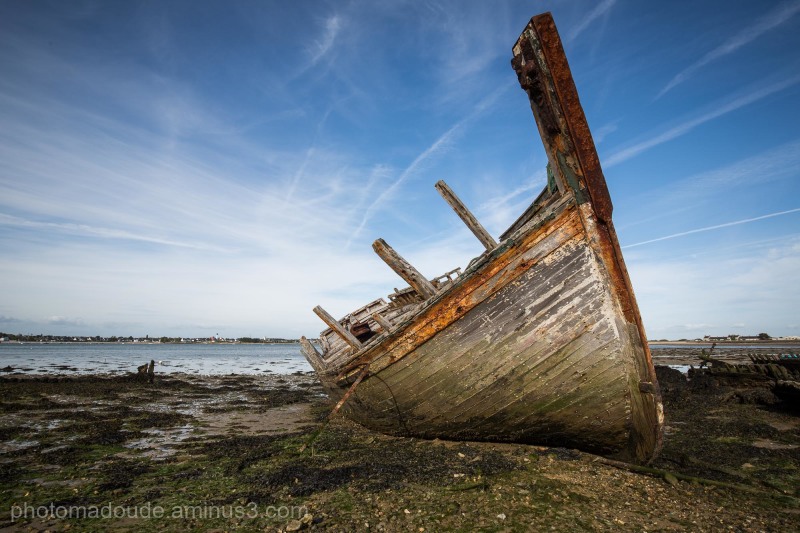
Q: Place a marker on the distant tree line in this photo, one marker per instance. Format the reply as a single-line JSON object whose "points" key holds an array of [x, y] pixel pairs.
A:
{"points": [[19, 337]]}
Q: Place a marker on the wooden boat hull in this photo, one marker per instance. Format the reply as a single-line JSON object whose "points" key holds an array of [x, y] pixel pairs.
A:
{"points": [[538, 341]]}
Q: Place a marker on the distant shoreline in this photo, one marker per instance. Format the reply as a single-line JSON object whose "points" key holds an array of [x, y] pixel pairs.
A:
{"points": [[724, 343], [148, 342]]}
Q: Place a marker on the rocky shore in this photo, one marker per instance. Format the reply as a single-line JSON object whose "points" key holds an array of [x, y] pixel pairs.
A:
{"points": [[216, 453]]}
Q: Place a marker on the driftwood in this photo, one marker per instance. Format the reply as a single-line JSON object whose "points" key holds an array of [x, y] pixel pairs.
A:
{"points": [[673, 477], [779, 373]]}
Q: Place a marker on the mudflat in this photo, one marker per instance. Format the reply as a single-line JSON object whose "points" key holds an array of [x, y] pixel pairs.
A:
{"points": [[215, 453]]}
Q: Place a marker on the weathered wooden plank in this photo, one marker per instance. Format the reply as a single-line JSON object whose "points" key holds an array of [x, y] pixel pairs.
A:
{"points": [[520, 304], [384, 323], [308, 348], [336, 327], [500, 270], [312, 355], [522, 347], [404, 269], [464, 214]]}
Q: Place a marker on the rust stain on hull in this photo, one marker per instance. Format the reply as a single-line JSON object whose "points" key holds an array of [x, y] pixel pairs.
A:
{"points": [[540, 339]]}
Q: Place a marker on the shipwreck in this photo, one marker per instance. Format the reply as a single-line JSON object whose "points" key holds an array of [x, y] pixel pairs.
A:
{"points": [[539, 339]]}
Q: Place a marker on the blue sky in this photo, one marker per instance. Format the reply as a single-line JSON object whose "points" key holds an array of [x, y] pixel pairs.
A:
{"points": [[193, 168]]}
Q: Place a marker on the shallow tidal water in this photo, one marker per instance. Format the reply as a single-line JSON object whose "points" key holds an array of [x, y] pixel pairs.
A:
{"points": [[119, 358]]}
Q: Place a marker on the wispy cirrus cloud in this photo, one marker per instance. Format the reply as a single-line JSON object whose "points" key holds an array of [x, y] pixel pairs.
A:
{"points": [[439, 145], [714, 227], [774, 18], [768, 166], [688, 125], [104, 233], [333, 26], [599, 10]]}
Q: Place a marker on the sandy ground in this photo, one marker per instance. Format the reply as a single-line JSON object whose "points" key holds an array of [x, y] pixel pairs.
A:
{"points": [[227, 452]]}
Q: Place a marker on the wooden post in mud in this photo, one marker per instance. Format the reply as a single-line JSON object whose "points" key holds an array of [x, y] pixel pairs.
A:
{"points": [[385, 324], [404, 269], [464, 214], [335, 326], [147, 370]]}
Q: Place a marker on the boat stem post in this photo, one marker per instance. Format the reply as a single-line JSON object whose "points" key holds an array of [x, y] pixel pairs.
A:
{"points": [[469, 219], [404, 269], [346, 336], [308, 348], [312, 355]]}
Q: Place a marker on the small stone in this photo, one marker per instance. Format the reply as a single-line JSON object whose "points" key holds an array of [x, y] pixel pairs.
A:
{"points": [[502, 516], [406, 511], [672, 480], [461, 455], [294, 525], [307, 519]]}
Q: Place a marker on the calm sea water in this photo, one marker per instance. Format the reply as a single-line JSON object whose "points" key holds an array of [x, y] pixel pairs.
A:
{"points": [[108, 358]]}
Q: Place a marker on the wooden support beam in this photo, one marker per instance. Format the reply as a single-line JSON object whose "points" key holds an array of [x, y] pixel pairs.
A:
{"points": [[385, 324], [465, 215], [404, 269], [346, 336]]}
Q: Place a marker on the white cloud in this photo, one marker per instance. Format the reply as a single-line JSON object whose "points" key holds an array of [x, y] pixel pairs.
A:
{"points": [[747, 286]]}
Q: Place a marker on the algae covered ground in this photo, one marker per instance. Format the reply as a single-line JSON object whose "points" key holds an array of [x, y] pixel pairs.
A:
{"points": [[227, 453]]}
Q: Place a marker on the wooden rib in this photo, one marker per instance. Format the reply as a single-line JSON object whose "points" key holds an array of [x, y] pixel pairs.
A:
{"points": [[469, 219], [384, 323], [404, 269], [337, 328]]}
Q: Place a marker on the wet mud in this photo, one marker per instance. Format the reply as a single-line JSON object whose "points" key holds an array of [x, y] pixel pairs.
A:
{"points": [[238, 451]]}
